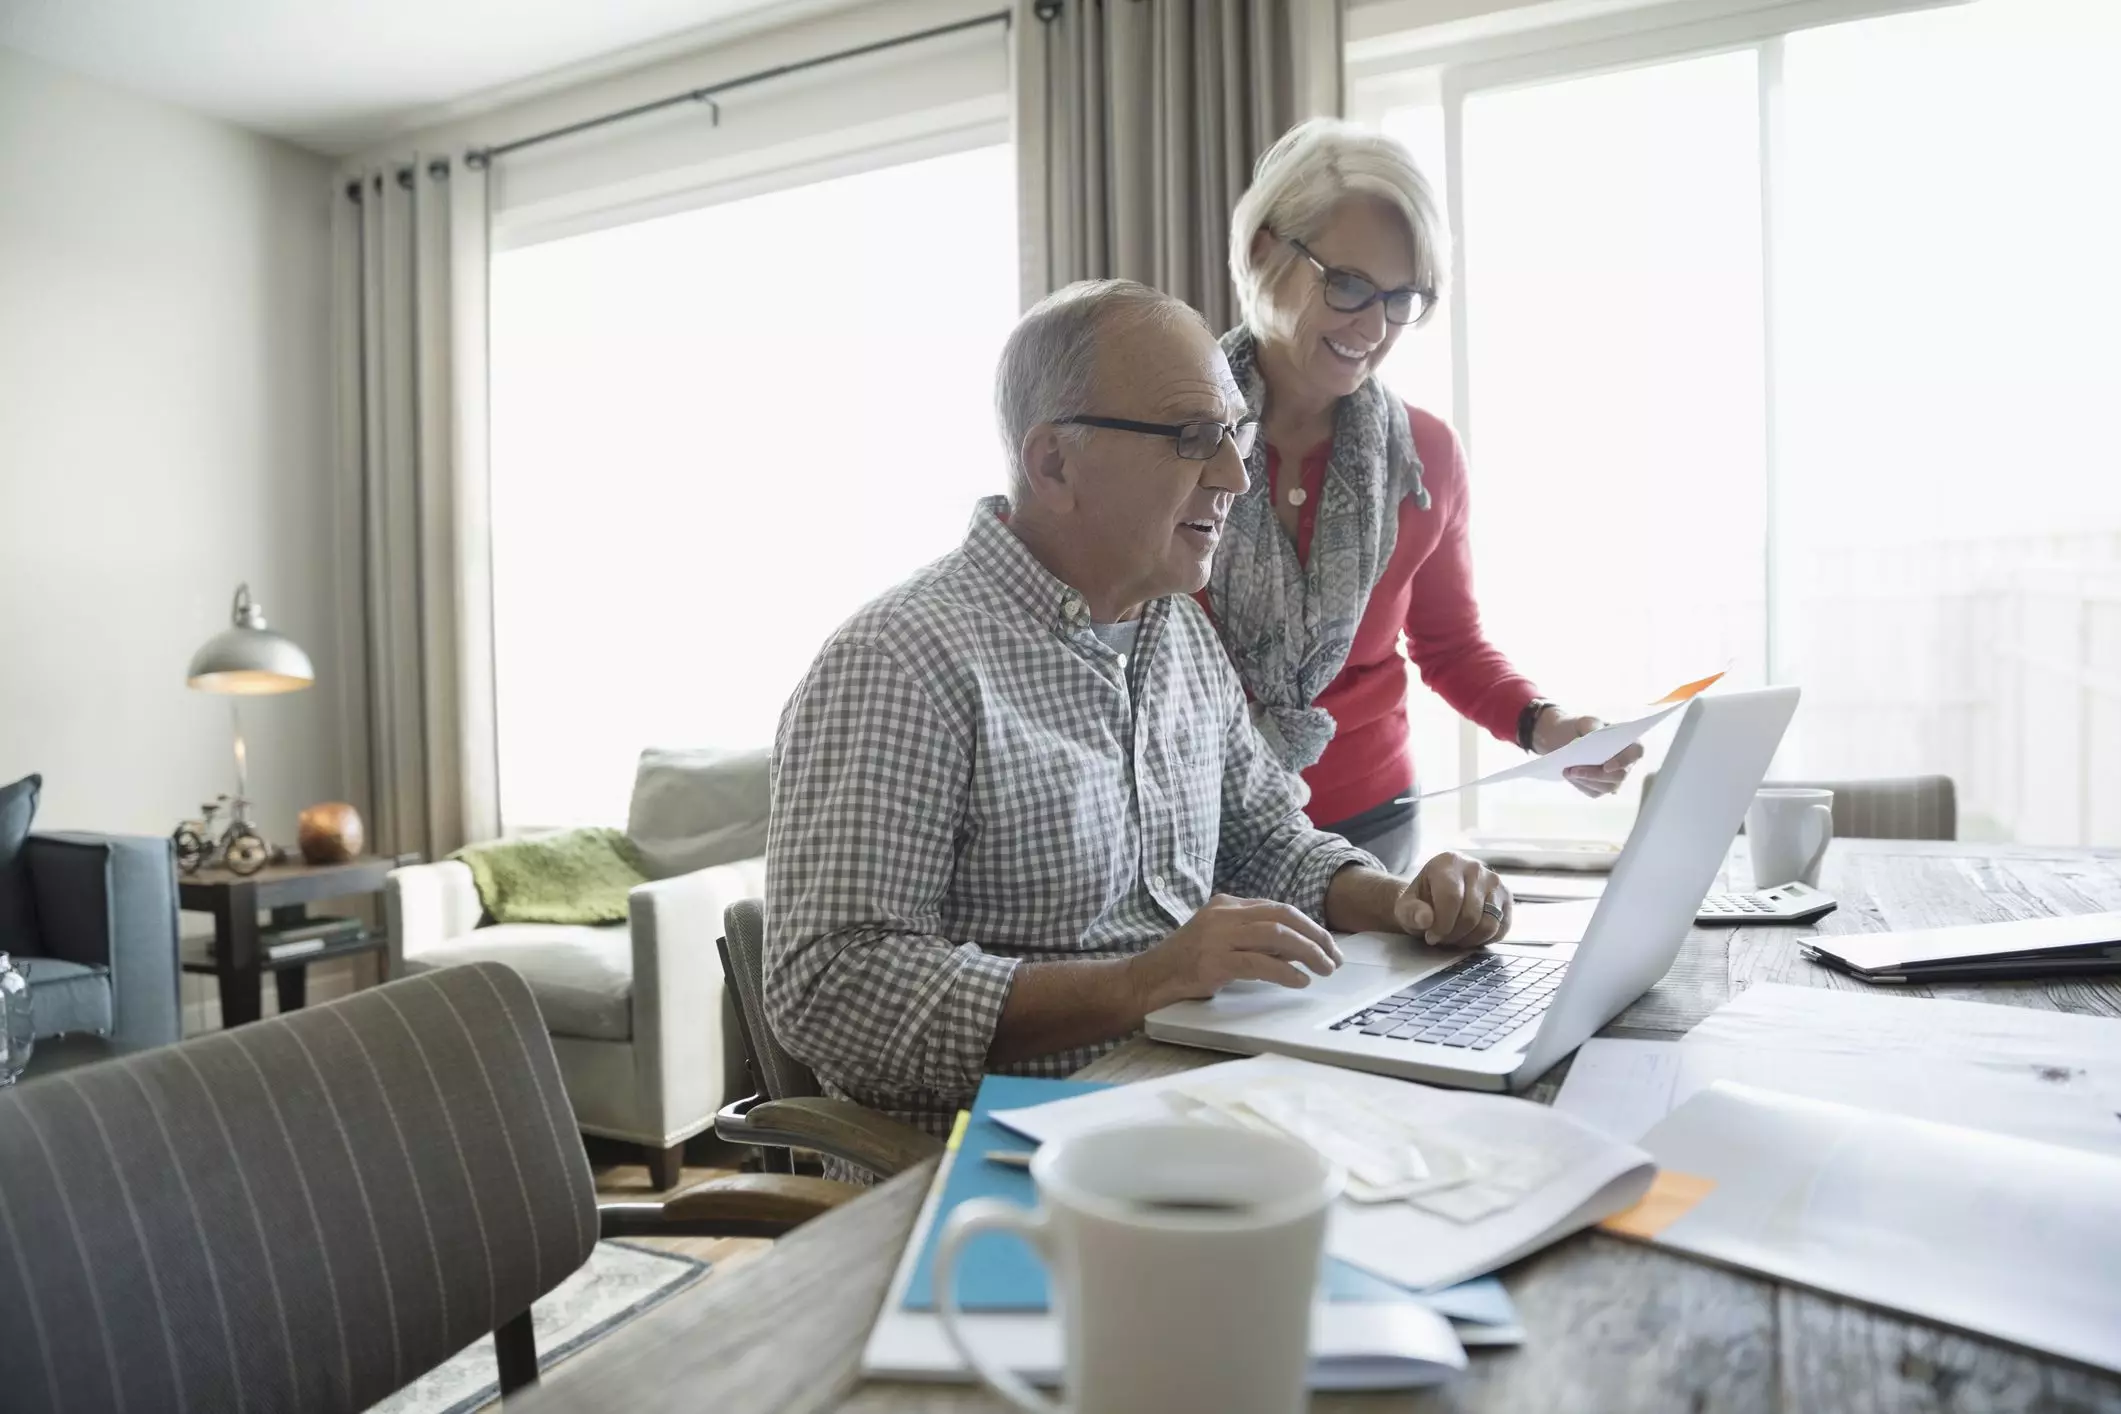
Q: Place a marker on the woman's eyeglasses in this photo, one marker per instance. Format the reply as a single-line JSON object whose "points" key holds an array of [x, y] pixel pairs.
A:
{"points": [[1197, 441], [1350, 293]]}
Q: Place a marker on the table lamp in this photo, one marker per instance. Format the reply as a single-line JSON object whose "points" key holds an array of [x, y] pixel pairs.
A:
{"points": [[248, 659]]}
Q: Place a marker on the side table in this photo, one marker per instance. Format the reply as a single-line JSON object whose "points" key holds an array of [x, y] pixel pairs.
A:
{"points": [[287, 890]]}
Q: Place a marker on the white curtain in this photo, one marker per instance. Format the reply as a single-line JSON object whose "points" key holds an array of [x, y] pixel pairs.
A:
{"points": [[415, 575], [1137, 126]]}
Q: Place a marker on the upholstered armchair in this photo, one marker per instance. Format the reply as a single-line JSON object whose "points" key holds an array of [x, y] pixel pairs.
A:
{"points": [[646, 1038], [91, 920]]}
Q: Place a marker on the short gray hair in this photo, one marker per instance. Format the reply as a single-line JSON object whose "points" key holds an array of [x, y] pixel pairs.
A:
{"points": [[1048, 367], [1309, 171]]}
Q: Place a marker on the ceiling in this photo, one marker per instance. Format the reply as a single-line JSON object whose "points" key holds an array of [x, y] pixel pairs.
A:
{"points": [[338, 75]]}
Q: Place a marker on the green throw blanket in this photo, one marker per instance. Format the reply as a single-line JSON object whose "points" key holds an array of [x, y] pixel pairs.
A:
{"points": [[578, 877]]}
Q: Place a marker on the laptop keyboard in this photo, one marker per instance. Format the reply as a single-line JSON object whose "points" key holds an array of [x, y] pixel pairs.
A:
{"points": [[1474, 1003]]}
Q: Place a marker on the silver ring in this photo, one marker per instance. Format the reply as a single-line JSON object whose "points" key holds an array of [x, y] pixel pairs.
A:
{"points": [[1491, 910]]}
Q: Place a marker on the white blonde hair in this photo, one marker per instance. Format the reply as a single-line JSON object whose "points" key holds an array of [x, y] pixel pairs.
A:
{"points": [[1299, 181]]}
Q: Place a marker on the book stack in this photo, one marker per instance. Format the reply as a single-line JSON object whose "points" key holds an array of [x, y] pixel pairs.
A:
{"points": [[277, 944]]}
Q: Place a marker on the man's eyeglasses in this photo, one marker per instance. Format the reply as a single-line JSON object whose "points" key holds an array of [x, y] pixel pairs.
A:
{"points": [[1197, 441], [1350, 293]]}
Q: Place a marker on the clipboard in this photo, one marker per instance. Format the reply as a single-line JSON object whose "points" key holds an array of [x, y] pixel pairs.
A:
{"points": [[2035, 947]]}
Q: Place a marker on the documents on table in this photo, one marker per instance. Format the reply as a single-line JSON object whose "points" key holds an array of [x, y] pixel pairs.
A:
{"points": [[2028, 946], [1365, 1333], [1504, 1177], [2041, 1075], [2002, 1236], [1593, 749], [1532, 888]]}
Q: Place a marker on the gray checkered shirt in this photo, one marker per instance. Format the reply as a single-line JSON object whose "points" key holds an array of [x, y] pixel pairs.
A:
{"points": [[968, 778]]}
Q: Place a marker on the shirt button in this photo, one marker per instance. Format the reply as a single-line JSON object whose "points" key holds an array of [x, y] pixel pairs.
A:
{"points": [[1156, 880], [1123, 662], [1296, 496]]}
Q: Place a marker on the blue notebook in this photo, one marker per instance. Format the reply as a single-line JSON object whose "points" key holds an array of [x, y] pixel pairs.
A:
{"points": [[999, 1271]]}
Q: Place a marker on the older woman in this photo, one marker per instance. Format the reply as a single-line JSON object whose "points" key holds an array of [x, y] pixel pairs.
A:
{"points": [[1354, 526]]}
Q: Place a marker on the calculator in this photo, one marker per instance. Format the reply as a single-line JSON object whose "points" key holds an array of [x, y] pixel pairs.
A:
{"points": [[1785, 903]]}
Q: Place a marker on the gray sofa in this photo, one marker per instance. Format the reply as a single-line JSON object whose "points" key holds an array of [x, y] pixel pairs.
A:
{"points": [[91, 921]]}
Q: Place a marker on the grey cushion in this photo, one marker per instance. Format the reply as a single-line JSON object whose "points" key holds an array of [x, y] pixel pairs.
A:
{"points": [[296, 1216], [18, 914], [581, 976], [696, 809], [66, 996]]}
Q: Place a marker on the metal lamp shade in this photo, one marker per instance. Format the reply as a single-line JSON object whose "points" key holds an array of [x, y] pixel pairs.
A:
{"points": [[249, 659]]}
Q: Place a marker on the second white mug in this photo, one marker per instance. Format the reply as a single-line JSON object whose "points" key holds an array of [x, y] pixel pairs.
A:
{"points": [[1787, 829], [1185, 1260]]}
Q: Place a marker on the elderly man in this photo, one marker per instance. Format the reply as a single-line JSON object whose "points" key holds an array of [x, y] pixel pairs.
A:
{"points": [[1018, 801]]}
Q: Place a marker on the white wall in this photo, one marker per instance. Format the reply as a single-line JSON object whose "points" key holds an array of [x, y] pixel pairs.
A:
{"points": [[165, 418]]}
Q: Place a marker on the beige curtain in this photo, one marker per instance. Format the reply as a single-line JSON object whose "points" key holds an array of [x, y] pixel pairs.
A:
{"points": [[415, 581], [1137, 126]]}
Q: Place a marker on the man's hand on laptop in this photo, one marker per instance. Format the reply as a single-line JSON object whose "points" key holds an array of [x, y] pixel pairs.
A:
{"points": [[1233, 940], [1455, 902]]}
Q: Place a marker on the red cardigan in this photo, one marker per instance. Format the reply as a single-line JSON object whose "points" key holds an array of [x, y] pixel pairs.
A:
{"points": [[1427, 592]]}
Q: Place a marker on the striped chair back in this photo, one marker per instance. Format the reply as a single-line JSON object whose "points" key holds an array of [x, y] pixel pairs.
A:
{"points": [[301, 1214], [1883, 808]]}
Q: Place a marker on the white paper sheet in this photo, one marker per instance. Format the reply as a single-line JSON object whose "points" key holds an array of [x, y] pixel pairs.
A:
{"points": [[1590, 1177], [1553, 888], [1593, 749], [2040, 1075], [2001, 1236]]}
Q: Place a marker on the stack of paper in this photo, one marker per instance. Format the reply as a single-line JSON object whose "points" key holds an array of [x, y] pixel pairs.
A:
{"points": [[1526, 1175], [1959, 1161], [2007, 1237], [2041, 1075], [1365, 1333], [2029, 947]]}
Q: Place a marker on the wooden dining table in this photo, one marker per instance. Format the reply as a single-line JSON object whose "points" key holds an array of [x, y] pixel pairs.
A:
{"points": [[1609, 1324]]}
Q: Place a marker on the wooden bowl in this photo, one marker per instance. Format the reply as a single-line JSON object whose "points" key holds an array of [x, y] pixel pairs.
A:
{"points": [[331, 833]]}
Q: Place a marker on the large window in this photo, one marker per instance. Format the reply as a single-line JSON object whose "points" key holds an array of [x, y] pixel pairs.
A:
{"points": [[717, 433], [1794, 353]]}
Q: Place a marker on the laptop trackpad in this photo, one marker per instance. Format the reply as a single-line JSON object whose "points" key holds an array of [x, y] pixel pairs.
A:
{"points": [[1350, 985]]}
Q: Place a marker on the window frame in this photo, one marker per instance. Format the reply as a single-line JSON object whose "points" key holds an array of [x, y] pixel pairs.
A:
{"points": [[1446, 64], [861, 156]]}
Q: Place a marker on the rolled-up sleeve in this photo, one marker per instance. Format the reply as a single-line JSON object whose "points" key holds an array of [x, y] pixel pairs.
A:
{"points": [[1268, 848], [869, 786]]}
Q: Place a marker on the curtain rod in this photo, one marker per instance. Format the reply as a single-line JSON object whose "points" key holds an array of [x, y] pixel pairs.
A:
{"points": [[479, 157]]}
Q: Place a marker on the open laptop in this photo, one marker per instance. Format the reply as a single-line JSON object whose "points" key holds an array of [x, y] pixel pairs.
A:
{"points": [[1496, 1018]]}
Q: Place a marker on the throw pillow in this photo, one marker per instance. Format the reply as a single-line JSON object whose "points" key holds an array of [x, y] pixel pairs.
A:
{"points": [[18, 916], [696, 809]]}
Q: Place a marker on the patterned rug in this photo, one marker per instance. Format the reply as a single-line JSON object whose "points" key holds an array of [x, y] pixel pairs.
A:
{"points": [[618, 1282]]}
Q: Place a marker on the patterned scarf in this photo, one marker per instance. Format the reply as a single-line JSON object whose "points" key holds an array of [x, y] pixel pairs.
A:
{"points": [[1288, 625]]}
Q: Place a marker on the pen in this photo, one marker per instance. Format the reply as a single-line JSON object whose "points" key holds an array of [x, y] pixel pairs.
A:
{"points": [[1010, 1158]]}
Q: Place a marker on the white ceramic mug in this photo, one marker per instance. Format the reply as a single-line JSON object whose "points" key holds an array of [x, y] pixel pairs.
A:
{"points": [[1185, 1259], [1788, 828]]}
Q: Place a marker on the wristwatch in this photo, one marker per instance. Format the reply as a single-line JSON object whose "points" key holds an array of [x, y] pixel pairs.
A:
{"points": [[1528, 721]]}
